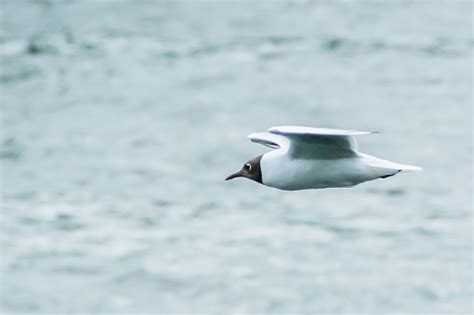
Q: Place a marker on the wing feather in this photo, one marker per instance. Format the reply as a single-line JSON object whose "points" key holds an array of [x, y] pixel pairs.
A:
{"points": [[270, 140], [319, 143], [300, 130]]}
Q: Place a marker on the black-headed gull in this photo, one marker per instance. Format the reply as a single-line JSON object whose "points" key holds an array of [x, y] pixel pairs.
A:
{"points": [[311, 158]]}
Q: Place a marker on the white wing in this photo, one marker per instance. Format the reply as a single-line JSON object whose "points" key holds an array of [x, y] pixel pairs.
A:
{"points": [[315, 131], [318, 143], [270, 140]]}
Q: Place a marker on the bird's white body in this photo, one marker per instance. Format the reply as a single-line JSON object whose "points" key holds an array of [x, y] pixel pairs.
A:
{"points": [[309, 174], [309, 158]]}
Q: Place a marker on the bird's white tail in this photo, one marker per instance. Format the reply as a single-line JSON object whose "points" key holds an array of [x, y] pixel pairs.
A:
{"points": [[408, 168], [387, 165]]}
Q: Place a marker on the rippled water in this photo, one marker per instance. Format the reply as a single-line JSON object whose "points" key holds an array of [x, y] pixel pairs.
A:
{"points": [[121, 119]]}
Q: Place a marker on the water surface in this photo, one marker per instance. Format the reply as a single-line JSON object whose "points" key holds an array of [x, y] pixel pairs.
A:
{"points": [[119, 122]]}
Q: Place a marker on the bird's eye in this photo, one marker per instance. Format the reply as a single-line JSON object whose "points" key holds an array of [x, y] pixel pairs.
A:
{"points": [[248, 167]]}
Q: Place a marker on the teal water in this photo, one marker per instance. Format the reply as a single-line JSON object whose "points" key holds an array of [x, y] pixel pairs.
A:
{"points": [[120, 120]]}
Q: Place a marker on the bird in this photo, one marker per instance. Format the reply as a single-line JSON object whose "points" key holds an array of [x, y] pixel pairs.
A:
{"points": [[314, 158]]}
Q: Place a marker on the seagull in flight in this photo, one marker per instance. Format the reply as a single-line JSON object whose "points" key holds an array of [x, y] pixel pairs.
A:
{"points": [[314, 158]]}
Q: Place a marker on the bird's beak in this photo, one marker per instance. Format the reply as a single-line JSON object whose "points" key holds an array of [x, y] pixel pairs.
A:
{"points": [[238, 174]]}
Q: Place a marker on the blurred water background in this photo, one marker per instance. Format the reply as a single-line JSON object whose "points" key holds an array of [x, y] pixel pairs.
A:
{"points": [[120, 120]]}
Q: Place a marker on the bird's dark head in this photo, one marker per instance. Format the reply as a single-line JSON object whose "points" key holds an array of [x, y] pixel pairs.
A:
{"points": [[250, 170]]}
